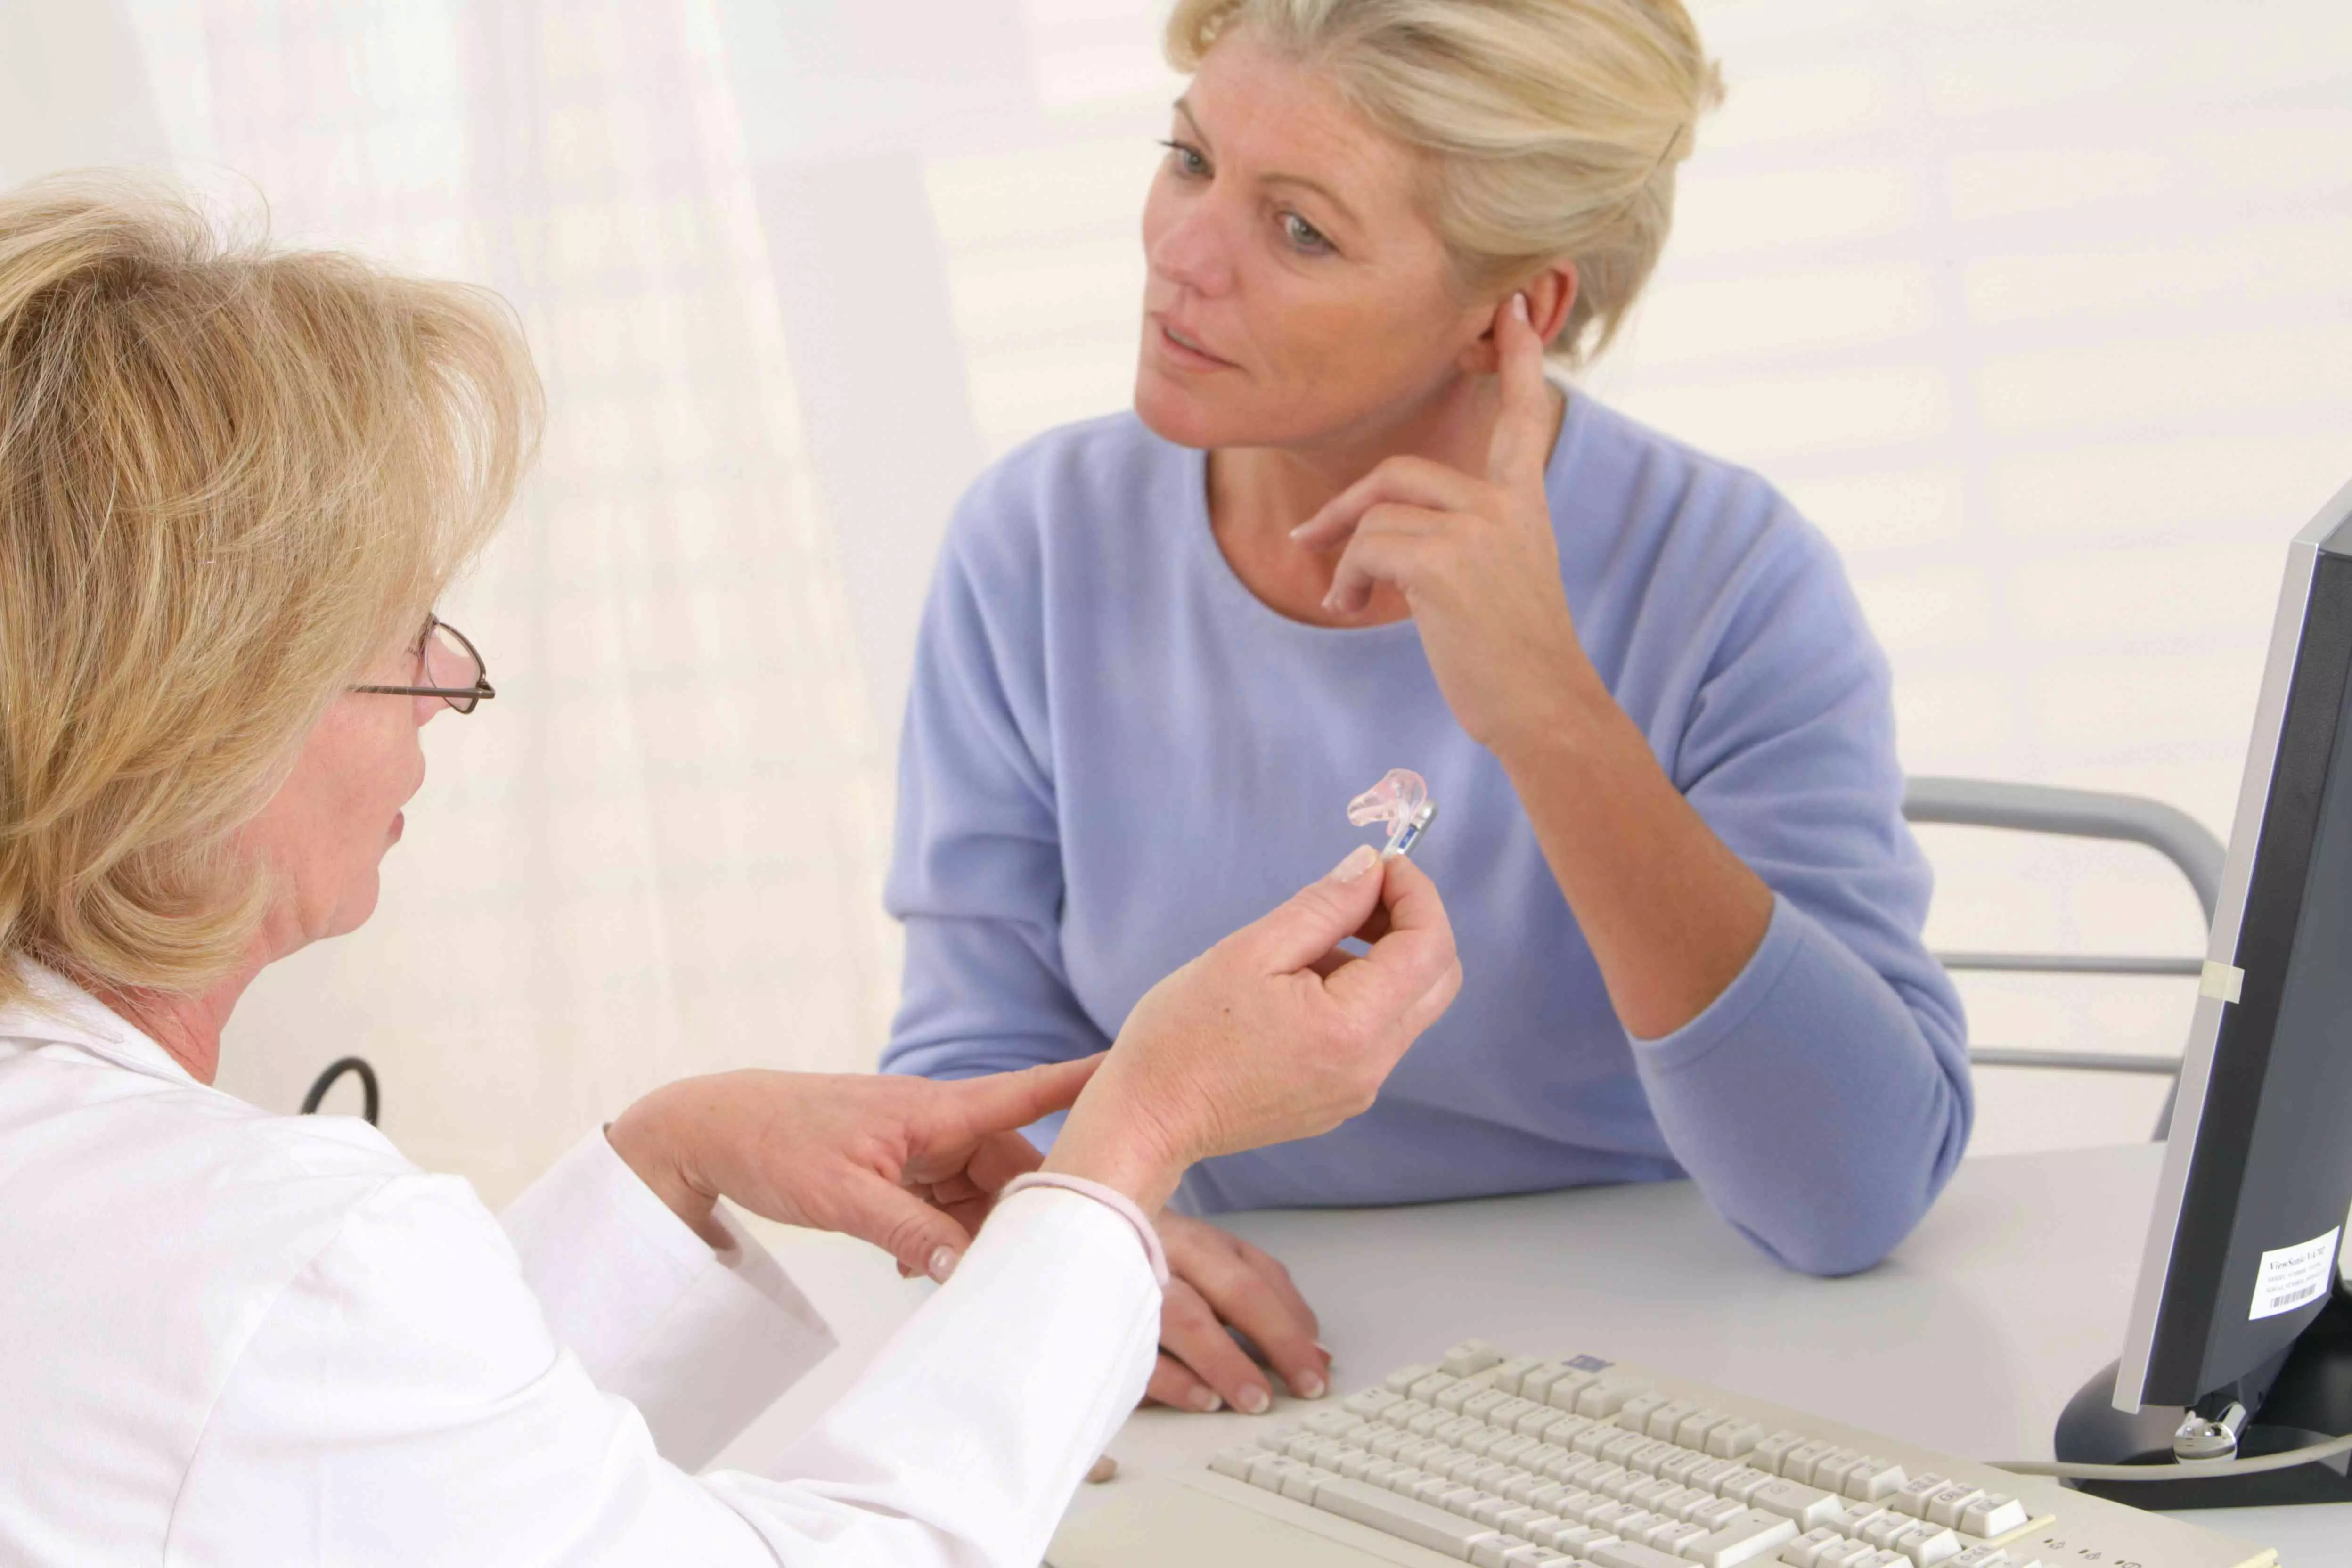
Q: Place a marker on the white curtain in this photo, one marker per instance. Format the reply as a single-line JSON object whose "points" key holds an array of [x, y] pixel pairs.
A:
{"points": [[659, 851]]}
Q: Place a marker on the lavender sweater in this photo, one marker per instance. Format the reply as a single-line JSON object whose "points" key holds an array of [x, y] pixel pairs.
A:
{"points": [[1115, 754]]}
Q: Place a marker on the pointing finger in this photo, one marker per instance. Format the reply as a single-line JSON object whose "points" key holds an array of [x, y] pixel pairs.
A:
{"points": [[1523, 434]]}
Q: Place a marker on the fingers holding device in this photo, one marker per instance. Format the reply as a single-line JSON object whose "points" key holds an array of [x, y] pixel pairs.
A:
{"points": [[1272, 1034]]}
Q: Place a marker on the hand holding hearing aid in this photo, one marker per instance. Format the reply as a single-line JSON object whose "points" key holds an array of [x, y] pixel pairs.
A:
{"points": [[1273, 1034]]}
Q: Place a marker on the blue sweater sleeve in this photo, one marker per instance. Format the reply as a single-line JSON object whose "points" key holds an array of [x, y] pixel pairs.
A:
{"points": [[1823, 1099], [976, 867]]}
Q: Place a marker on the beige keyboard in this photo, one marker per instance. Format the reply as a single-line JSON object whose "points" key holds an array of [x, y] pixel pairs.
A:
{"points": [[1516, 1461]]}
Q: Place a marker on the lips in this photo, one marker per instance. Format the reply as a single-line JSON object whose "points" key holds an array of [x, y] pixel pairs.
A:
{"points": [[1185, 347]]}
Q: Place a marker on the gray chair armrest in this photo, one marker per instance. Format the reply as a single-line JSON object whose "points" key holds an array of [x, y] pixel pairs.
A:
{"points": [[2076, 814]]}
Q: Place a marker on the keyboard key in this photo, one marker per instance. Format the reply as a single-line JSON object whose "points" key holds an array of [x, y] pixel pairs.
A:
{"points": [[1946, 1505], [1880, 1559], [1513, 1409], [1797, 1464], [1913, 1498], [1299, 1485], [1564, 1390], [1633, 1555], [1404, 1377], [1370, 1402], [1809, 1506], [1580, 1539], [1663, 1421], [1513, 1369], [1338, 1422], [1767, 1454], [1400, 1517], [1670, 1535], [1493, 1551], [1693, 1430], [1983, 1557], [1534, 1556], [1845, 1553], [1742, 1483], [1634, 1414], [1734, 1439], [1746, 1536], [1605, 1397], [1873, 1479], [1829, 1472], [1801, 1552], [1457, 1395], [1995, 1514], [1926, 1544], [1470, 1356], [1236, 1462]]}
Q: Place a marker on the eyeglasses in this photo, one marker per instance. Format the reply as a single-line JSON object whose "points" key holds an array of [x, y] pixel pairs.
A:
{"points": [[447, 667]]}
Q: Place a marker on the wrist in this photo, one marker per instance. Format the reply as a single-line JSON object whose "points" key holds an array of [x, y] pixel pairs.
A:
{"points": [[1103, 1142], [646, 1137], [1557, 721]]}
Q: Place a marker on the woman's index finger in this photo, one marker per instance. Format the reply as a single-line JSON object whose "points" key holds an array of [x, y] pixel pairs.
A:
{"points": [[1524, 430]]}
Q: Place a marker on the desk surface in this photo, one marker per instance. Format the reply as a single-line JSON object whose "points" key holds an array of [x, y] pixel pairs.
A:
{"points": [[1969, 1339]]}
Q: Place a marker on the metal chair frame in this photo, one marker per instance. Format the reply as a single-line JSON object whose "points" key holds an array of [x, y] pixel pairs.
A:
{"points": [[2077, 814]]}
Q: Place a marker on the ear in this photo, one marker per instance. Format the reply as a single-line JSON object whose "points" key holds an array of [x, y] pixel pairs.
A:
{"points": [[1551, 295]]}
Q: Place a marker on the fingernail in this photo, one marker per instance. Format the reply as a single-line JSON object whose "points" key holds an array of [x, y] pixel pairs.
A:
{"points": [[1308, 1384], [1520, 307], [1254, 1401], [1326, 1350], [1360, 859], [942, 1264], [1206, 1402]]}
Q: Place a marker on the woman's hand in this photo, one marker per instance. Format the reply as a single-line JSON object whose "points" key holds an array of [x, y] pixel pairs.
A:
{"points": [[1270, 1035], [1217, 1281], [1476, 560], [906, 1164]]}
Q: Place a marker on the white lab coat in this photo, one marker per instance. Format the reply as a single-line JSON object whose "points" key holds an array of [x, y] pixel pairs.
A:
{"points": [[229, 1337]]}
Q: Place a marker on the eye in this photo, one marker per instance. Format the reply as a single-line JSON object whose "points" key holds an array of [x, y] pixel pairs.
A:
{"points": [[1187, 160], [1304, 235]]}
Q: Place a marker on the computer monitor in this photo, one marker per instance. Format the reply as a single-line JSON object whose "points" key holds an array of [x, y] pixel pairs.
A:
{"points": [[2242, 1254]]}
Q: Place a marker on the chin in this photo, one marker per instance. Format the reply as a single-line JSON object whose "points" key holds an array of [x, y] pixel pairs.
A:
{"points": [[1183, 416]]}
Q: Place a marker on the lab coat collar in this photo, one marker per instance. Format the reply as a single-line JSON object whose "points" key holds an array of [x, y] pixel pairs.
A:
{"points": [[61, 1012]]}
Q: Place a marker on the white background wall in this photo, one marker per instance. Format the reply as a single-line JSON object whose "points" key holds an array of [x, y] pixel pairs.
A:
{"points": [[2044, 313]]}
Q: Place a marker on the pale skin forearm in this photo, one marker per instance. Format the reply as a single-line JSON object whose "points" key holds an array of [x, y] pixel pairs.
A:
{"points": [[1672, 916]]}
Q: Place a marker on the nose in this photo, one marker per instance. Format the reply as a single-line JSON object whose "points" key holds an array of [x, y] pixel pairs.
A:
{"points": [[1194, 248]]}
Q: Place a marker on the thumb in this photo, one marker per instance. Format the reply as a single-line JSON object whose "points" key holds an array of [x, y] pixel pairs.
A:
{"points": [[925, 1240], [1318, 915]]}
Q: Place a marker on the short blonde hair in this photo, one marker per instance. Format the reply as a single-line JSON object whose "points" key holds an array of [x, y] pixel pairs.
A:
{"points": [[1553, 127], [230, 477]]}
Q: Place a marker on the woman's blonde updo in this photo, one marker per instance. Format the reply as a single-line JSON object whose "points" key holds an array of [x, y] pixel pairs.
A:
{"points": [[1553, 127], [229, 478]]}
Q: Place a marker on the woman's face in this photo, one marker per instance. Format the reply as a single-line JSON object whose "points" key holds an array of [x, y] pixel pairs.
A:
{"points": [[324, 833], [1298, 293]]}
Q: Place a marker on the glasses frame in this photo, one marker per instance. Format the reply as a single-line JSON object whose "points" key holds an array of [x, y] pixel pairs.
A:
{"points": [[472, 697]]}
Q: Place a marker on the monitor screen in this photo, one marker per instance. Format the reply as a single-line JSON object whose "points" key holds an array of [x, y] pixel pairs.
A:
{"points": [[2257, 1174]]}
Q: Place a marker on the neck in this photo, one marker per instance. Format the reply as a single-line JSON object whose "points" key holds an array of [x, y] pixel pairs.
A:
{"points": [[188, 1027], [1268, 490]]}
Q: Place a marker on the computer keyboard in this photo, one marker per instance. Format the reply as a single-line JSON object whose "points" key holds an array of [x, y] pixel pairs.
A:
{"points": [[1521, 1461]]}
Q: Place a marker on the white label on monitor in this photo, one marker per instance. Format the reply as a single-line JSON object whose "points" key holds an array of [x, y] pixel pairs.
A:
{"points": [[2293, 1276]]}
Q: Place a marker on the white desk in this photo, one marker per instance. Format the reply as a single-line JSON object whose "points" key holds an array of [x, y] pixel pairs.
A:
{"points": [[1969, 1339]]}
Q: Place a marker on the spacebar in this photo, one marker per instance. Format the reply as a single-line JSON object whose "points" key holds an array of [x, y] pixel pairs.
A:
{"points": [[1403, 1517]]}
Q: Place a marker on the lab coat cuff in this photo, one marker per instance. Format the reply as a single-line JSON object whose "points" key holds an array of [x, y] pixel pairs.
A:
{"points": [[1111, 1199], [700, 1341], [1722, 1018]]}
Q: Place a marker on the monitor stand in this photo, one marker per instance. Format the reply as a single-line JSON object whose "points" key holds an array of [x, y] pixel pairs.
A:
{"points": [[2308, 1399]]}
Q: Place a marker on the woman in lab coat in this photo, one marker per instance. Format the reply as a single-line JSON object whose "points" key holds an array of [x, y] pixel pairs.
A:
{"points": [[232, 485]]}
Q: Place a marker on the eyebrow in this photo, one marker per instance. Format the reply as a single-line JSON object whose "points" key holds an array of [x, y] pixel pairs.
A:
{"points": [[1184, 108]]}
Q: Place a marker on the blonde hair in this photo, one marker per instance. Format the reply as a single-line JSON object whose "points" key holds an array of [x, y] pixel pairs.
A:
{"points": [[230, 477], [1553, 127]]}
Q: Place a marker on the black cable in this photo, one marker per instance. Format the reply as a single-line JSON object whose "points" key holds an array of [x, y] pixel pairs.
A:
{"points": [[370, 1103]]}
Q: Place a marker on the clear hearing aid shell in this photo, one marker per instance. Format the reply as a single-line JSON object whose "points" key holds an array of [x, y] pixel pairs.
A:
{"points": [[1401, 802]]}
